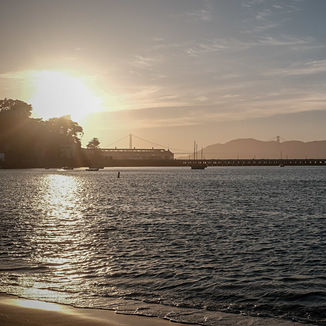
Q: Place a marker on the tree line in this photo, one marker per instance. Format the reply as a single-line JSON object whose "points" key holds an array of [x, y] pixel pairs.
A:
{"points": [[31, 142]]}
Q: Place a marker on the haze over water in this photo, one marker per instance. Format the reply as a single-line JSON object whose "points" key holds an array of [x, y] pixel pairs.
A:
{"points": [[170, 242]]}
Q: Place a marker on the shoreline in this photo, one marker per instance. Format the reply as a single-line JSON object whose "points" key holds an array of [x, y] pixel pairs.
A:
{"points": [[27, 312], [16, 311]]}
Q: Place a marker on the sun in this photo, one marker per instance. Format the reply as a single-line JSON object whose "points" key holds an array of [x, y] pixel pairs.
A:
{"points": [[58, 93]]}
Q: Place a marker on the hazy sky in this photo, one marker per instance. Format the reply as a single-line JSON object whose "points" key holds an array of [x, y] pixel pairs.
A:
{"points": [[170, 71]]}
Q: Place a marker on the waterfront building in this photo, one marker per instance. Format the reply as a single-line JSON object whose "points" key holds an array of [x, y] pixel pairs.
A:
{"points": [[136, 154]]}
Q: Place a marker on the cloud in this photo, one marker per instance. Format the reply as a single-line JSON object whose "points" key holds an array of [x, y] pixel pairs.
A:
{"points": [[201, 14], [301, 68], [230, 96], [217, 45], [230, 107], [266, 15], [145, 62], [15, 75], [208, 46], [251, 3], [286, 6], [285, 40], [263, 14], [260, 28]]}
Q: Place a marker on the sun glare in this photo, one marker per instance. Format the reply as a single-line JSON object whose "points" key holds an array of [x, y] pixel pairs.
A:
{"points": [[58, 93], [35, 304]]}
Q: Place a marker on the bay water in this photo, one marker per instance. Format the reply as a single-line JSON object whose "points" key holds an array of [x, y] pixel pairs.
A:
{"points": [[175, 243]]}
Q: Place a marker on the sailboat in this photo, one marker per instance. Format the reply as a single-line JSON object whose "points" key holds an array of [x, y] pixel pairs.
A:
{"points": [[196, 164]]}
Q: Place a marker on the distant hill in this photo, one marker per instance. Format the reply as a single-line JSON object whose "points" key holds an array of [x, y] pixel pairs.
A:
{"points": [[251, 148]]}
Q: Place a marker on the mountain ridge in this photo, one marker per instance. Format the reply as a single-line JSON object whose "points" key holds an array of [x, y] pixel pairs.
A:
{"points": [[249, 148]]}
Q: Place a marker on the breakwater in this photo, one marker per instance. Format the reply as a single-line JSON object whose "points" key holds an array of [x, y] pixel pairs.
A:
{"points": [[217, 162], [258, 162], [176, 163]]}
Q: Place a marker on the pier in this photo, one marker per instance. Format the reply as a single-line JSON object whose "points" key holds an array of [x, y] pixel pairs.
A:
{"points": [[215, 162], [257, 162]]}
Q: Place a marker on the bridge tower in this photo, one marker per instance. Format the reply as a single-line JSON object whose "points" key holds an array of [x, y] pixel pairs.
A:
{"points": [[130, 141]]}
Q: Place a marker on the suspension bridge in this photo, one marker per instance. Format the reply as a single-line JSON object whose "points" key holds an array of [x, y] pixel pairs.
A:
{"points": [[128, 142], [132, 139]]}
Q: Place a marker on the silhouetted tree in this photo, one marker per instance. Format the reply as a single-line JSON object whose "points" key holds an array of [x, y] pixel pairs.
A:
{"points": [[27, 141], [15, 124], [96, 153], [15, 109], [93, 144], [13, 115], [65, 128], [62, 138]]}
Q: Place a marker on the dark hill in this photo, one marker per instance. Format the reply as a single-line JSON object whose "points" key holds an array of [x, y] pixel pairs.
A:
{"points": [[252, 148]]}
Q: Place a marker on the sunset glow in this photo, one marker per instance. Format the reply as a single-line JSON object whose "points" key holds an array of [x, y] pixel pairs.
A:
{"points": [[59, 93], [170, 71]]}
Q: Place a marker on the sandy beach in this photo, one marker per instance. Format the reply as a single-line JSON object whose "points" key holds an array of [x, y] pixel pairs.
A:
{"points": [[16, 311]]}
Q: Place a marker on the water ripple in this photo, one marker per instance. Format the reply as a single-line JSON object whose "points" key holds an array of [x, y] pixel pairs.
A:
{"points": [[241, 240]]}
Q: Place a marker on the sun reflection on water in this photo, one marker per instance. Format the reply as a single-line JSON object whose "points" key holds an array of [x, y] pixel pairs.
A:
{"points": [[59, 238], [34, 304], [60, 195]]}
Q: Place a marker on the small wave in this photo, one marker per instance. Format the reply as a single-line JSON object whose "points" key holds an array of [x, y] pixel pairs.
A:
{"points": [[24, 269], [309, 297]]}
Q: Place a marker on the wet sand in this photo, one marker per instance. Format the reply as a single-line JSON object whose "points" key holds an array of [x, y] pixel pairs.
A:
{"points": [[16, 311], [22, 312]]}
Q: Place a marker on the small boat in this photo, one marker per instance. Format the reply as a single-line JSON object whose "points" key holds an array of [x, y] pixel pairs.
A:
{"points": [[198, 166], [67, 168], [92, 169]]}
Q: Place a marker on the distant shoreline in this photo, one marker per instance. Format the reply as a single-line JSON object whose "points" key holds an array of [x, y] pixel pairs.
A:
{"points": [[189, 162]]}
